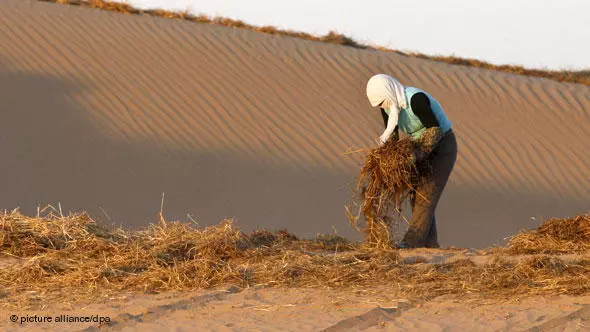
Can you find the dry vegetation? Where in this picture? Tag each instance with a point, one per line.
(74, 257)
(580, 76)
(557, 236)
(388, 176)
(388, 172)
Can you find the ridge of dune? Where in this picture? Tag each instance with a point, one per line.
(332, 37)
(104, 112)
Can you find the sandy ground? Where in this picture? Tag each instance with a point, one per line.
(264, 309)
(105, 112)
(259, 308)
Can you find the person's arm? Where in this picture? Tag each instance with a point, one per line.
(385, 117)
(391, 126)
(421, 107)
(423, 110)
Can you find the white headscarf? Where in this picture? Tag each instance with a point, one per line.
(382, 88)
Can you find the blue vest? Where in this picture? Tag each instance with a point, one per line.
(410, 124)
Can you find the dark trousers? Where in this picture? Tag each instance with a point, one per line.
(422, 229)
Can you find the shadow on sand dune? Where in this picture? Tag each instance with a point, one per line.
(53, 151)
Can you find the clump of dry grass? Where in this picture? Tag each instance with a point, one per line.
(25, 236)
(264, 238)
(91, 261)
(554, 236)
(388, 171)
(579, 76)
(391, 172)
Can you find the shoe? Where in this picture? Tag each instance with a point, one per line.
(401, 245)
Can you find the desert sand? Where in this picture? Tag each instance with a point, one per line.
(314, 310)
(105, 112)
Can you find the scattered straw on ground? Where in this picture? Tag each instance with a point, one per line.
(73, 257)
(573, 76)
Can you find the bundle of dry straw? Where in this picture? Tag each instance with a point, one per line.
(555, 236)
(391, 172)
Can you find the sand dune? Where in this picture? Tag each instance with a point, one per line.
(104, 112)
